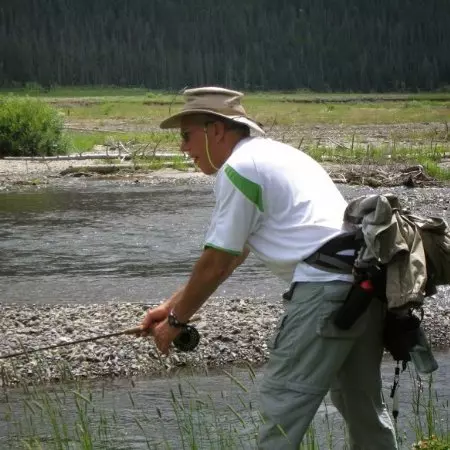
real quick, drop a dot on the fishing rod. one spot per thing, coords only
(186, 341)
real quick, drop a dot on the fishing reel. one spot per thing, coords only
(188, 338)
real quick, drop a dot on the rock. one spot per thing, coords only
(249, 326)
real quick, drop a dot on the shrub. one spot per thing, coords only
(30, 127)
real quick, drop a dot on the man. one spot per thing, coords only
(279, 203)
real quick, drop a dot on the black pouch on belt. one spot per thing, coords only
(356, 303)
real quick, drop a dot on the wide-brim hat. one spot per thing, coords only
(216, 101)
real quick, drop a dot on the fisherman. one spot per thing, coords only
(277, 202)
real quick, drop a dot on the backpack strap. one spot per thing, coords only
(328, 258)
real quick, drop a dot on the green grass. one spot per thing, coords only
(148, 141)
(143, 106)
(68, 416)
(35, 89)
(131, 116)
(102, 110)
(144, 145)
(268, 111)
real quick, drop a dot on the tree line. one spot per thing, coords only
(340, 45)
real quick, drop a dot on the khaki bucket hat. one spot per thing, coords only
(217, 101)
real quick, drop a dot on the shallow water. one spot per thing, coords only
(108, 241)
(140, 414)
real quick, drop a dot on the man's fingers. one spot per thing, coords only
(148, 323)
(164, 350)
(146, 327)
(153, 318)
(141, 331)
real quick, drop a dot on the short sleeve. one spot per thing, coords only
(236, 213)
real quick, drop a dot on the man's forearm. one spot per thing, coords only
(171, 302)
(200, 287)
(237, 261)
(209, 272)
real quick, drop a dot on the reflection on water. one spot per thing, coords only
(109, 242)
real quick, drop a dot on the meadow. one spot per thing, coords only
(371, 128)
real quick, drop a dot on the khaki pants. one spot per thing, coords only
(310, 356)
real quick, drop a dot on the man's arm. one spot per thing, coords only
(210, 271)
(219, 266)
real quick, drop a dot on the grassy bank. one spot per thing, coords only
(68, 416)
(148, 141)
(343, 128)
(288, 108)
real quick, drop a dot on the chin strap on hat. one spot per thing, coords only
(207, 150)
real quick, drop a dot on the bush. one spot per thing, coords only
(30, 127)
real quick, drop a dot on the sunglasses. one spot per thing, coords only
(186, 134)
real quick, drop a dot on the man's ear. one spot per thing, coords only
(219, 131)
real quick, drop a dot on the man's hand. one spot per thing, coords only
(153, 317)
(164, 334)
(212, 269)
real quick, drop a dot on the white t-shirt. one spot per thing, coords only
(279, 202)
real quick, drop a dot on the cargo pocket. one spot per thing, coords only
(333, 299)
(273, 342)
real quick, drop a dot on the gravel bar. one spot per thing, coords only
(233, 332)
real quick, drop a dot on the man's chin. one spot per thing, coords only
(208, 170)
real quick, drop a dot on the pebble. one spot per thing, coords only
(243, 340)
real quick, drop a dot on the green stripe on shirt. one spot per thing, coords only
(226, 250)
(251, 190)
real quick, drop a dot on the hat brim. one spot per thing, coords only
(175, 120)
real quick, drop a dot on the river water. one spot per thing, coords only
(215, 411)
(91, 242)
(103, 242)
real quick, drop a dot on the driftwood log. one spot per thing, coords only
(122, 156)
(107, 169)
(367, 175)
(383, 176)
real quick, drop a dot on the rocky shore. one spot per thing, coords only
(233, 331)
(19, 174)
(22, 174)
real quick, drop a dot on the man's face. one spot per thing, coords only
(193, 142)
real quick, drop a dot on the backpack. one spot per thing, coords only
(435, 234)
(402, 331)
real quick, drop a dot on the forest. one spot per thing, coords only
(319, 45)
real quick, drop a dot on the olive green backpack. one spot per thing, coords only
(435, 234)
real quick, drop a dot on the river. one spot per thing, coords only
(91, 242)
